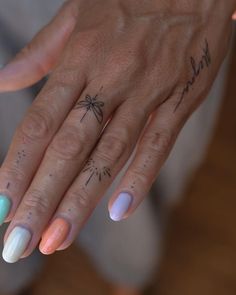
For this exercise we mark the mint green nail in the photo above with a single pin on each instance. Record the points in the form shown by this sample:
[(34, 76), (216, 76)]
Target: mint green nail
[(5, 206)]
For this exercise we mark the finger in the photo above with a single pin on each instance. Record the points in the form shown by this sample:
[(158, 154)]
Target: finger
[(153, 150), (61, 163), (110, 154), (34, 134), (41, 54)]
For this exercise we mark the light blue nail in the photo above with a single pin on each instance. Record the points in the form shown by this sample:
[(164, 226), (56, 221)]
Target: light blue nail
[(5, 206), (120, 206)]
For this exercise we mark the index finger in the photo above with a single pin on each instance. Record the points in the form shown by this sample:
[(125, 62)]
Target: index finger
[(32, 137)]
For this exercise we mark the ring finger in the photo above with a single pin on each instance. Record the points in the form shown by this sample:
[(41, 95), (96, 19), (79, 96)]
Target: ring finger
[(62, 161), (110, 154)]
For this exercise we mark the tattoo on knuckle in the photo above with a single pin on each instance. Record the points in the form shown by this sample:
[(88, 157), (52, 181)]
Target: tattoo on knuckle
[(91, 104), (96, 172)]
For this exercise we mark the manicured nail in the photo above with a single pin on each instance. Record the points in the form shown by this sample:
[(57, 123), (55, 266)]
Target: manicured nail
[(16, 244), (120, 206), (54, 236), (5, 206)]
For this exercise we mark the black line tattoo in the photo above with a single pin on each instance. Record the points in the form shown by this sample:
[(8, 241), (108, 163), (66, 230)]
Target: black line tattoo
[(99, 173), (8, 185), (91, 104), (197, 68)]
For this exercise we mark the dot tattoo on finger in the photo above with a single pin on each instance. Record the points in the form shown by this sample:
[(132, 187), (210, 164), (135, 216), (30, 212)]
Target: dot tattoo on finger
[(132, 185), (29, 215), (20, 156), (96, 172)]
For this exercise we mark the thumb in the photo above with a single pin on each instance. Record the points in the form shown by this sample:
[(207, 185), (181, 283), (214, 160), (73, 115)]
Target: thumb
[(41, 54)]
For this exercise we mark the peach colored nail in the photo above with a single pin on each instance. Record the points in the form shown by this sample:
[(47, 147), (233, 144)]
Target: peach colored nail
[(54, 236)]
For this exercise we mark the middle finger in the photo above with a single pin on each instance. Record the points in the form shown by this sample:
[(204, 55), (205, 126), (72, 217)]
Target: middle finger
[(62, 161)]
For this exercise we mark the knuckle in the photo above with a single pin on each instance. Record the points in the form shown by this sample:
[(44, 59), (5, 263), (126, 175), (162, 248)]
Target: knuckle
[(13, 173), (37, 125), (139, 174), (67, 145), (112, 148), (37, 201), (87, 43), (121, 64), (82, 200), (16, 176), (132, 65), (158, 143), (66, 75)]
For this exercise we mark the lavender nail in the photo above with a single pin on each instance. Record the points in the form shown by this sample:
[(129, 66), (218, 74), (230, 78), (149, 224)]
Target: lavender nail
[(120, 206)]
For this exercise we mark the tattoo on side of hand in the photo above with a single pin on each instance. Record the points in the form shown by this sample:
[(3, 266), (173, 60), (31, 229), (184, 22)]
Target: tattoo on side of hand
[(197, 68)]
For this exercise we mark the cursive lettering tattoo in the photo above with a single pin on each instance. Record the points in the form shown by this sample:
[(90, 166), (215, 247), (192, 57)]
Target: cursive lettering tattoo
[(99, 173), (91, 104), (197, 68)]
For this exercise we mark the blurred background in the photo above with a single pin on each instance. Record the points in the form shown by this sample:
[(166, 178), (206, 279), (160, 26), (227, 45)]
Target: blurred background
[(195, 195)]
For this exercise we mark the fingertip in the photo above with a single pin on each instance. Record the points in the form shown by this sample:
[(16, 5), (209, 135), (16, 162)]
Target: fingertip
[(118, 210), (54, 236)]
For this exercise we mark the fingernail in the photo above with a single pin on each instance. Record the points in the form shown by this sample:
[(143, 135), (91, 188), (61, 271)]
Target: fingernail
[(54, 236), (5, 206), (120, 206), (16, 244)]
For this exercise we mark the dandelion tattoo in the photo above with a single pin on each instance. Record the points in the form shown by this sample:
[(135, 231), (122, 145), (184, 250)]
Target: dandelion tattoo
[(91, 104), (99, 173), (197, 68)]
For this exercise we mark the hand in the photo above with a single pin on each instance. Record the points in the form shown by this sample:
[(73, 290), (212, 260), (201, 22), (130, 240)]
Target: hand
[(122, 74)]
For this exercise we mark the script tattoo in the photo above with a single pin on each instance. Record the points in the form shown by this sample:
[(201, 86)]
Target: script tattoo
[(99, 173), (91, 104), (197, 68)]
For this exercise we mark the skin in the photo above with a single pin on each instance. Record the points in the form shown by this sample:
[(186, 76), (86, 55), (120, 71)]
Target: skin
[(134, 57)]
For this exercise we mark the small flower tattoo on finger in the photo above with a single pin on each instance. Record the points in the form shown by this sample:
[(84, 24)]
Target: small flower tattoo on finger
[(91, 104)]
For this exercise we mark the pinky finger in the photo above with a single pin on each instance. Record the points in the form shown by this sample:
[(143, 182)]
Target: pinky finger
[(152, 151)]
